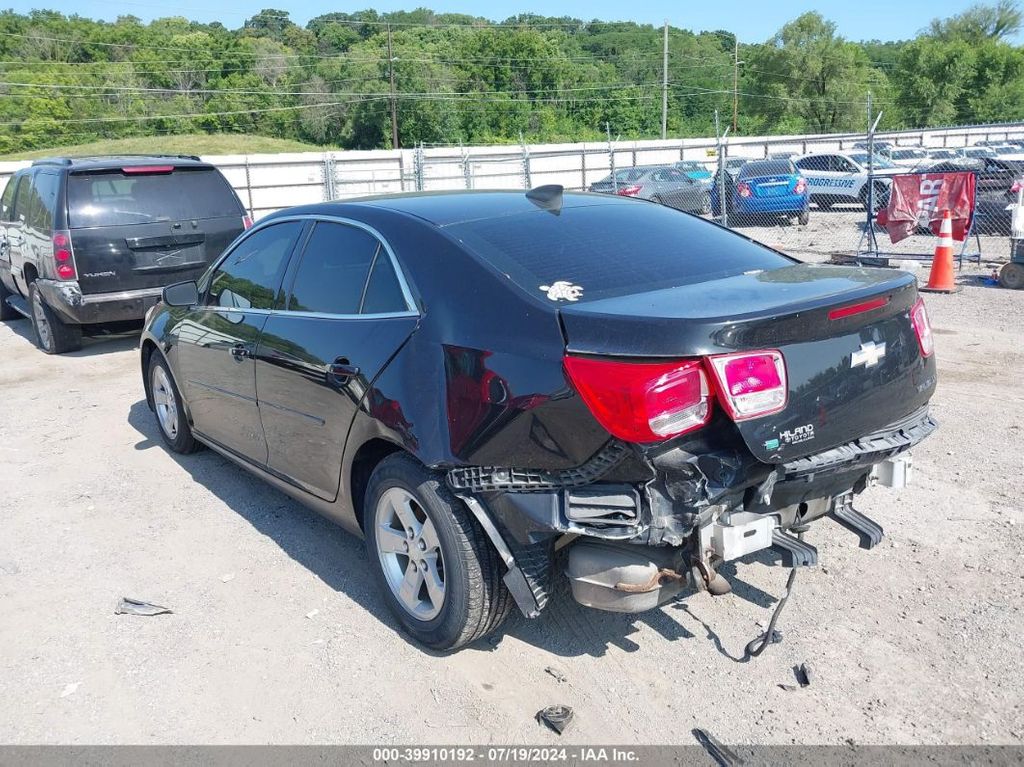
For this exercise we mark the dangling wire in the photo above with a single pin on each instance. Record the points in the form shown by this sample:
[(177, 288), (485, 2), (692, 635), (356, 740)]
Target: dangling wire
[(758, 645)]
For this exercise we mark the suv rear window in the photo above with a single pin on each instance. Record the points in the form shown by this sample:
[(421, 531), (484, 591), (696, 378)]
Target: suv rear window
[(116, 198), (611, 250)]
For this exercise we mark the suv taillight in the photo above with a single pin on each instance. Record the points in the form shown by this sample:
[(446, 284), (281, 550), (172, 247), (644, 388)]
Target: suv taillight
[(801, 185), (629, 191), (63, 256), (641, 401), (750, 384), (922, 328), (743, 189), (247, 222)]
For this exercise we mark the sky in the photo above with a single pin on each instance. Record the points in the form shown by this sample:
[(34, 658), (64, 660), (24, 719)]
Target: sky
[(751, 21)]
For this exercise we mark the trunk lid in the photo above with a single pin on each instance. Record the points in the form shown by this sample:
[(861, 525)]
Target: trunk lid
[(134, 228), (841, 385)]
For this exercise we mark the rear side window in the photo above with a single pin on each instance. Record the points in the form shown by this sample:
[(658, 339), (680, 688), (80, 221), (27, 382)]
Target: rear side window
[(249, 278), (7, 201), (813, 163), (116, 198), (767, 168), (610, 250), (42, 201), (345, 270)]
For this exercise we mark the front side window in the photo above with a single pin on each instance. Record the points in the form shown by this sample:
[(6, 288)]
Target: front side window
[(345, 270), (250, 277)]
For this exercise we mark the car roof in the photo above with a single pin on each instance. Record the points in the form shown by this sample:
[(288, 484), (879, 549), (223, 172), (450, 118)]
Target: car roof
[(101, 162), (453, 207)]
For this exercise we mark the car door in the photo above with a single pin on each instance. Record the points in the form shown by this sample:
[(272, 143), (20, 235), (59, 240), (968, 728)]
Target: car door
[(216, 341), (346, 315), (7, 226), (677, 189), (847, 178), (18, 233)]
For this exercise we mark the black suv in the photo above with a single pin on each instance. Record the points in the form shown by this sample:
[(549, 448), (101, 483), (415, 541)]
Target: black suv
[(95, 239)]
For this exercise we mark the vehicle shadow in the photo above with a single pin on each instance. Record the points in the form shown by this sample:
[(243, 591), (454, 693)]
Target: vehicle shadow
[(98, 339), (337, 558)]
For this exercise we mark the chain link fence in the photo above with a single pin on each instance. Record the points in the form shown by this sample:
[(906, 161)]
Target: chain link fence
[(698, 175)]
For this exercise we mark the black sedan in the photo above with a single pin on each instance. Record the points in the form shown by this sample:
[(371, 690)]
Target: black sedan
[(498, 388)]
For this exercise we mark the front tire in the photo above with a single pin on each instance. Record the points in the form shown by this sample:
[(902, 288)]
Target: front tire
[(440, 575), (168, 407), (1012, 276), (705, 204), (53, 335)]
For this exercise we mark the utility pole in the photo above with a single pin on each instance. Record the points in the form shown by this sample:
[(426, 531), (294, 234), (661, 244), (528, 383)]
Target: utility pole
[(664, 84), (394, 106), (735, 83)]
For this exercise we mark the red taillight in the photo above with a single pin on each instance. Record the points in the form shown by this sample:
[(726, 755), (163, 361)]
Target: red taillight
[(751, 384), (853, 309), (1016, 186), (147, 169), (247, 222), (922, 328), (801, 185), (629, 191), (743, 189), (640, 401), (63, 255)]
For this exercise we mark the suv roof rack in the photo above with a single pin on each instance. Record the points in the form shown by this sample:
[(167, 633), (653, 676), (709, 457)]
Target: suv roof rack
[(71, 160), (52, 161)]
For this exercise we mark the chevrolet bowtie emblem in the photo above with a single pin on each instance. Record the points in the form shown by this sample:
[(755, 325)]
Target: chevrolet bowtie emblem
[(868, 355)]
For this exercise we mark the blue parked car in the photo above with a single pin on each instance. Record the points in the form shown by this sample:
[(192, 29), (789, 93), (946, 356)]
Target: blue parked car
[(764, 190), (693, 169)]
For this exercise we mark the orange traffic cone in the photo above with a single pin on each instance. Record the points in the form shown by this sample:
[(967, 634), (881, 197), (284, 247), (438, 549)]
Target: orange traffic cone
[(941, 279)]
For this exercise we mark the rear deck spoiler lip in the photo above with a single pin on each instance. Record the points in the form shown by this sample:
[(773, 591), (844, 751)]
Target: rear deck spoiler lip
[(590, 328)]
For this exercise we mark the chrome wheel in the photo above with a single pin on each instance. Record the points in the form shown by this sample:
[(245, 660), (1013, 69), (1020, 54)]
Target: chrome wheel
[(410, 553), (165, 402), (42, 324)]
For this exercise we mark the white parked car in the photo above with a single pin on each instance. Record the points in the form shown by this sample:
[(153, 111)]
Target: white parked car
[(838, 178), (908, 157)]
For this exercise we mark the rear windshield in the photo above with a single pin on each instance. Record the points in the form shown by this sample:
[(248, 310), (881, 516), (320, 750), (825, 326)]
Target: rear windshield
[(611, 250), (115, 198), (768, 168)]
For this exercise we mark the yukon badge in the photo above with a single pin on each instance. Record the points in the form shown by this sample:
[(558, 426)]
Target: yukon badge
[(868, 355)]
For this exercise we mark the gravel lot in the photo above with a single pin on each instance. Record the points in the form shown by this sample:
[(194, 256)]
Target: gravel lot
[(278, 635)]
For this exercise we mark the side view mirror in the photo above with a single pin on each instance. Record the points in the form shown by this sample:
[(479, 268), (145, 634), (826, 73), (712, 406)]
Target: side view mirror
[(181, 294)]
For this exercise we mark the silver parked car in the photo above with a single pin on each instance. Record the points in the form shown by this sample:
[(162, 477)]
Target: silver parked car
[(659, 183)]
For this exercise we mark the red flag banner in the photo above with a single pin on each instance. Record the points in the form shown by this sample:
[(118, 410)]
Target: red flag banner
[(920, 199)]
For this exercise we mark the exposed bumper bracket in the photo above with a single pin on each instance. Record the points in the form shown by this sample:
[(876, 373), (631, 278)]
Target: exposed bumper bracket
[(868, 531), (795, 552)]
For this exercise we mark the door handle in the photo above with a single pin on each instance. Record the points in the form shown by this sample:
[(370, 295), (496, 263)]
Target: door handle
[(341, 371), (240, 352)]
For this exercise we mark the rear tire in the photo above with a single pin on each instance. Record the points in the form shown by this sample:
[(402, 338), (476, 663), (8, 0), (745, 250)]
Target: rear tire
[(705, 204), (169, 408), (439, 573), (7, 312), (803, 217), (53, 335), (1012, 276)]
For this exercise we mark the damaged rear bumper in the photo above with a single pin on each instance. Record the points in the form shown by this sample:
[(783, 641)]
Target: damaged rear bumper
[(692, 510)]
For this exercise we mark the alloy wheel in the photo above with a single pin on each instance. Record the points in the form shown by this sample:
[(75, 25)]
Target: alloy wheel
[(165, 401), (410, 553)]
